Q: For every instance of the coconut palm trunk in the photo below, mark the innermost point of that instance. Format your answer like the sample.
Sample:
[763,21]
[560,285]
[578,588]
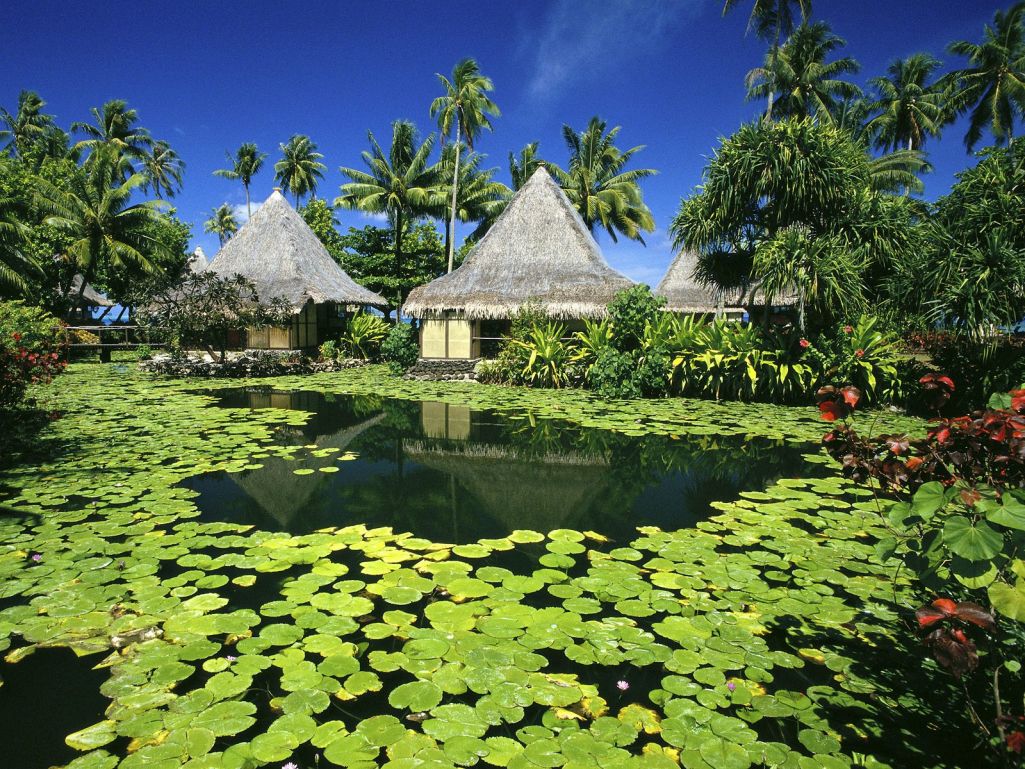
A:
[398,263]
[452,215]
[249,206]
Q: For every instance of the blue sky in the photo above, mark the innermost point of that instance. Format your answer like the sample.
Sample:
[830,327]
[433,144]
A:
[209,76]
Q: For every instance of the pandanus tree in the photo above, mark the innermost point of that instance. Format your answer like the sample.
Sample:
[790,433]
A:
[246,164]
[908,107]
[299,169]
[805,83]
[222,222]
[400,183]
[26,126]
[772,20]
[789,208]
[599,186]
[94,211]
[116,127]
[465,109]
[163,169]
[992,87]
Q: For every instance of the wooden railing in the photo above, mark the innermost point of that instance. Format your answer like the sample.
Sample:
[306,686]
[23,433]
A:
[109,338]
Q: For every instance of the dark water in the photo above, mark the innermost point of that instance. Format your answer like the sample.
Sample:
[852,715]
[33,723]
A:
[452,474]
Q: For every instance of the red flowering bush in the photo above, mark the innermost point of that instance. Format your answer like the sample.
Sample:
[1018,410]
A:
[31,350]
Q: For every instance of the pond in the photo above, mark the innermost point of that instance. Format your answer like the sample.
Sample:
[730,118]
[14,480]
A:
[450,473]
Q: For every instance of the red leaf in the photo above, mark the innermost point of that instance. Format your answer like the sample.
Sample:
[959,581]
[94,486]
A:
[945,605]
[927,616]
[831,410]
[972,612]
[851,396]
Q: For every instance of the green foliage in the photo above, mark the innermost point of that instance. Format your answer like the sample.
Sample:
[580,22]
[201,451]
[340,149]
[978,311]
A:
[31,346]
[612,375]
[329,350]
[401,347]
[299,170]
[862,355]
[546,354]
[143,352]
[363,335]
[588,344]
[629,312]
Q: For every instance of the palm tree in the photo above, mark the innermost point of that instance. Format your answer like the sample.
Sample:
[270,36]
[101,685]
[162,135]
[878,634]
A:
[245,165]
[14,261]
[481,199]
[93,210]
[222,221]
[909,108]
[163,169]
[116,127]
[772,20]
[26,126]
[523,167]
[400,183]
[807,84]
[598,187]
[992,86]
[464,107]
[299,167]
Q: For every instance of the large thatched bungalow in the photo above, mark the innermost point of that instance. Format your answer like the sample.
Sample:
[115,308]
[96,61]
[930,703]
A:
[685,296]
[284,259]
[538,250]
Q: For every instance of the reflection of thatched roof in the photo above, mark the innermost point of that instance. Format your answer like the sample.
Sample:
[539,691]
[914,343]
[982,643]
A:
[522,494]
[475,450]
[683,293]
[90,297]
[197,262]
[539,249]
[280,492]
[279,253]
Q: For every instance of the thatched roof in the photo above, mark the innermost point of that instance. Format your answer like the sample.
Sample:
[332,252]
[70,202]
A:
[539,249]
[90,297]
[197,262]
[684,294]
[283,257]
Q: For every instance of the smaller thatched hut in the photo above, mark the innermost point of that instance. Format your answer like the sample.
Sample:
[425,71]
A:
[197,262]
[539,250]
[685,296]
[90,298]
[285,259]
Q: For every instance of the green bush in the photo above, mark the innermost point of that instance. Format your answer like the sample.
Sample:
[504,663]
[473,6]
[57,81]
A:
[547,356]
[630,311]
[401,347]
[612,375]
[329,350]
[31,347]
[363,336]
[143,352]
[512,357]
[862,355]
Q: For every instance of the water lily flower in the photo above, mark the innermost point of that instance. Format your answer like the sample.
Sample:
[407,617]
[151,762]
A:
[36,557]
[290,765]
[731,686]
[622,685]
[232,658]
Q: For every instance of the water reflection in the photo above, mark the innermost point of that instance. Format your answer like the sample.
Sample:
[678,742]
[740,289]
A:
[453,474]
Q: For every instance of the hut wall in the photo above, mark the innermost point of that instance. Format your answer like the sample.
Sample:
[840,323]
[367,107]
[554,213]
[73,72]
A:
[449,337]
[443,420]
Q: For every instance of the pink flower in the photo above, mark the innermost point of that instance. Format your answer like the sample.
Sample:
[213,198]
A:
[36,557]
[231,658]
[622,685]
[731,686]
[859,353]
[848,329]
[805,343]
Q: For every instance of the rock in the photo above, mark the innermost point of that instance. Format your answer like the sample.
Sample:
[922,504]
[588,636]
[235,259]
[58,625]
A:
[430,370]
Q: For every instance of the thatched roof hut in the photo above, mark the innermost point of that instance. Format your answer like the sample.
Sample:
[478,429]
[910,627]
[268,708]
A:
[90,297]
[684,294]
[539,250]
[283,257]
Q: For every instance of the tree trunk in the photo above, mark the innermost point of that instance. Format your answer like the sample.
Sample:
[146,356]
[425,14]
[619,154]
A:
[398,263]
[249,207]
[452,218]
[800,312]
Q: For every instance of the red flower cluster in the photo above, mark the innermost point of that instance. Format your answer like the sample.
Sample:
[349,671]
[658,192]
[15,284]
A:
[837,403]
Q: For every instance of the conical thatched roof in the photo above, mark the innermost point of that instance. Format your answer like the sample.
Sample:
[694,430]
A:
[197,262]
[90,297]
[683,293]
[539,249]
[283,257]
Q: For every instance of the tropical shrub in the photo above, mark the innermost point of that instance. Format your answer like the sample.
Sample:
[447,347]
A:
[363,335]
[612,375]
[588,344]
[512,357]
[862,355]
[629,312]
[955,505]
[547,356]
[31,348]
[329,350]
[143,352]
[995,365]
[401,347]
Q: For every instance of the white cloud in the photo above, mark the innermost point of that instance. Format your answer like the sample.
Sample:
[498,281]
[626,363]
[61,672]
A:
[373,217]
[588,38]
[241,212]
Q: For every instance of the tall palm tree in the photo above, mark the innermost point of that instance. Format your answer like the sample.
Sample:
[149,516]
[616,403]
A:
[299,167]
[222,221]
[15,263]
[93,211]
[116,127]
[598,187]
[807,84]
[908,108]
[481,199]
[772,20]
[992,86]
[399,183]
[245,165]
[464,107]
[523,167]
[26,126]
[163,169]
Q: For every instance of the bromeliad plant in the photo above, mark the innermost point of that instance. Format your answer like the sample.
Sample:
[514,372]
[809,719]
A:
[363,335]
[547,355]
[956,509]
